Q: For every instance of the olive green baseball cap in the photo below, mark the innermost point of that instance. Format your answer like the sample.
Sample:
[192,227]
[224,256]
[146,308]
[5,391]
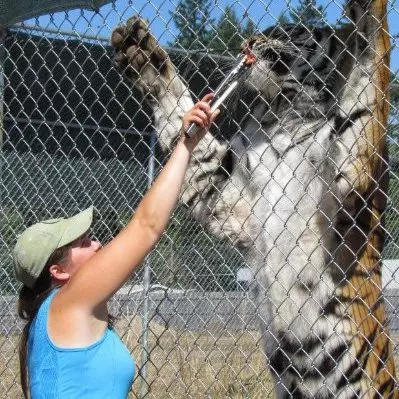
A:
[37,243]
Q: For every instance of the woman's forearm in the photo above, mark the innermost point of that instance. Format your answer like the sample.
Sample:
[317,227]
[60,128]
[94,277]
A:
[156,207]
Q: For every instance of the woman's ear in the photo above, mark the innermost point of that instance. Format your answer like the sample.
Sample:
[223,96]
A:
[58,273]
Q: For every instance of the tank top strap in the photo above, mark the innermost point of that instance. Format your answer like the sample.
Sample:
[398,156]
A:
[42,314]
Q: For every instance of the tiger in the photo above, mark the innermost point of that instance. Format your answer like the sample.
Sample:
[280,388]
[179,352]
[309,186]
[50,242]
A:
[300,189]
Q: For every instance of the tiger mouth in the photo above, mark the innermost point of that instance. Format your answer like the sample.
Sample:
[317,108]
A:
[275,58]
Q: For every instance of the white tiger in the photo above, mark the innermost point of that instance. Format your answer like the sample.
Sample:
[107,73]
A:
[300,191]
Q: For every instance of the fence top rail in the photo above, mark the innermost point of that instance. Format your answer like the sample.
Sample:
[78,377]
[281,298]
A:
[394,88]
[106,42]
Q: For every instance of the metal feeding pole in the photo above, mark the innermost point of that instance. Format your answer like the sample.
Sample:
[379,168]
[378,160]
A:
[146,288]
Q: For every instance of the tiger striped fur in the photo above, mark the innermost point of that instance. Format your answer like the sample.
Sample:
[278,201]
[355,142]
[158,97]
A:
[301,191]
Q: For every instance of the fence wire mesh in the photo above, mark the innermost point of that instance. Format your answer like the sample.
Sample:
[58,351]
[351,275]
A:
[252,291]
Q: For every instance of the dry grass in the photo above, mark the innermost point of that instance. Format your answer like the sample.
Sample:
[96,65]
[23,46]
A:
[9,367]
[184,364]
[181,364]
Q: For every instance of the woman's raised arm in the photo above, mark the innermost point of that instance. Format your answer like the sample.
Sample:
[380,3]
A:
[108,269]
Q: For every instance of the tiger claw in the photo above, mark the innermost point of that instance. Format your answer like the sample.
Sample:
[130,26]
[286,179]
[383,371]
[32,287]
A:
[136,48]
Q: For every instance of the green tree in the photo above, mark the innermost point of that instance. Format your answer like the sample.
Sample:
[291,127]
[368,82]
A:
[283,19]
[309,14]
[193,21]
[393,126]
[249,28]
[231,31]
[228,32]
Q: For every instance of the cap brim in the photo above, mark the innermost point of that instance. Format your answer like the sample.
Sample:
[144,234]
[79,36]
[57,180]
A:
[76,226]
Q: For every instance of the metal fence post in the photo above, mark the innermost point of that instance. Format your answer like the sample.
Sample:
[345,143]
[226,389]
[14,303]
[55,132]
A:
[146,288]
[2,60]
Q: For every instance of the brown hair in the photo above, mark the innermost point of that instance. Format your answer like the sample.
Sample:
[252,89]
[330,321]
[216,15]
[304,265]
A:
[29,302]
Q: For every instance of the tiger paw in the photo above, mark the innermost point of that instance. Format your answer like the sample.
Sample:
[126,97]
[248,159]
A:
[138,55]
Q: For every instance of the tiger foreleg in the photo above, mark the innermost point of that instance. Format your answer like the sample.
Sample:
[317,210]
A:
[143,61]
[147,65]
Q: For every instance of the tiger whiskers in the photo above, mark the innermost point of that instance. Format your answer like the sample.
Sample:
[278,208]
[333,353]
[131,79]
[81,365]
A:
[286,48]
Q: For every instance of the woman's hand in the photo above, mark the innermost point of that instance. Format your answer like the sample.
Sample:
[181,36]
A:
[201,116]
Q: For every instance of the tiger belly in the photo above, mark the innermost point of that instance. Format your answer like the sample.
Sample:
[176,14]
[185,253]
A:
[311,318]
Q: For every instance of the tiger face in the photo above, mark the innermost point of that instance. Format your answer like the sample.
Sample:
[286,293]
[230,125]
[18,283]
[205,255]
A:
[292,59]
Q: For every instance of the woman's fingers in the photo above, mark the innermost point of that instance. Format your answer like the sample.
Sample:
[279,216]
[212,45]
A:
[206,117]
[201,115]
[196,120]
[204,106]
[208,97]
[214,115]
[204,103]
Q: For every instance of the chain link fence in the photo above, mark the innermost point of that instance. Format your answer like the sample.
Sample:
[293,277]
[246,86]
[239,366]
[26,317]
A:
[75,133]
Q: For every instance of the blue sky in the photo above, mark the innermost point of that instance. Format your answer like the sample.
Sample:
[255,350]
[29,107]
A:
[262,12]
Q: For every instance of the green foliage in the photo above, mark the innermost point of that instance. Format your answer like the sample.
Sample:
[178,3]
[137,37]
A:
[249,28]
[283,19]
[197,29]
[393,139]
[395,92]
[309,14]
[192,19]
[231,31]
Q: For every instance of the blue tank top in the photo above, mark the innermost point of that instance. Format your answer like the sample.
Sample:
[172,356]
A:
[104,369]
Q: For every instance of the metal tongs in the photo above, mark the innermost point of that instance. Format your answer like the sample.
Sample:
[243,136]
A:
[225,88]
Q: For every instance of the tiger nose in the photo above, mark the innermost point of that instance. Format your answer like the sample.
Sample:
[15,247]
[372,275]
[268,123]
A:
[248,44]
[246,48]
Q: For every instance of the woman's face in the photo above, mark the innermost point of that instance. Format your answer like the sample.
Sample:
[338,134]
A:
[81,250]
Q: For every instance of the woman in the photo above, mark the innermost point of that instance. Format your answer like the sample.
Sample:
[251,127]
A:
[68,347]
